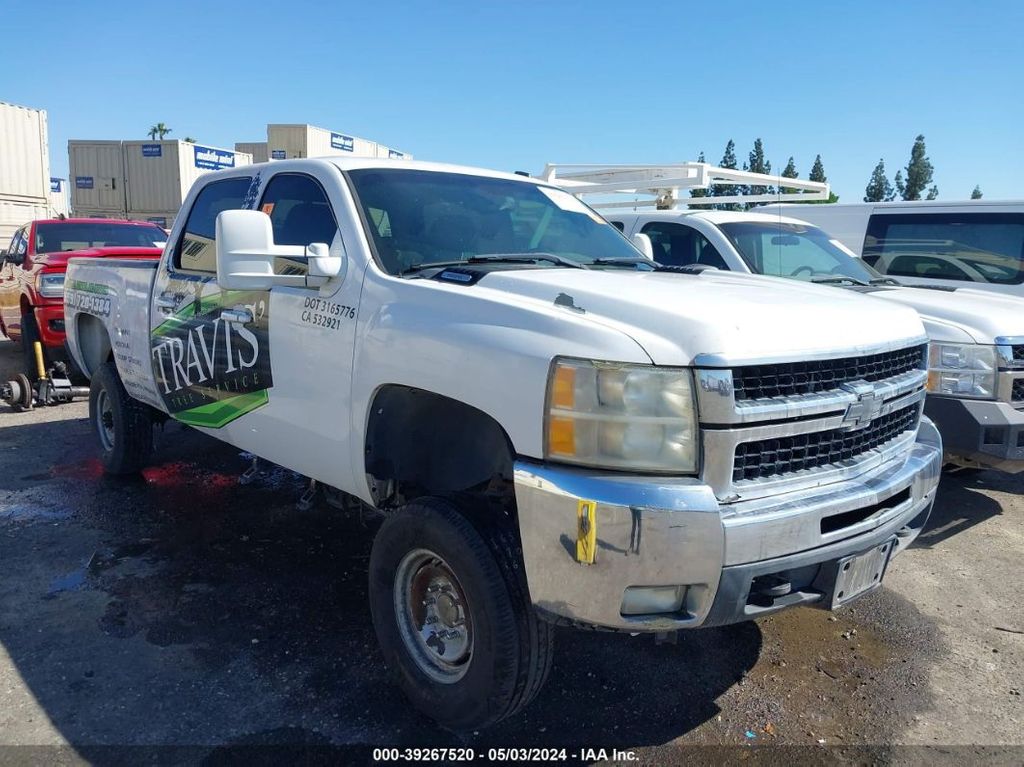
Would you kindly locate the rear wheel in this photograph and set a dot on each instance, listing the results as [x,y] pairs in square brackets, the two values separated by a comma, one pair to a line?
[453,616]
[123,425]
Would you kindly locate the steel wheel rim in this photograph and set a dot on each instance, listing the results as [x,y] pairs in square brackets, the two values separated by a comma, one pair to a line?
[434,619]
[105,420]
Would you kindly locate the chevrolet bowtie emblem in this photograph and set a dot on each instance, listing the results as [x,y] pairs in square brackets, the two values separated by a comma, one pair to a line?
[866,409]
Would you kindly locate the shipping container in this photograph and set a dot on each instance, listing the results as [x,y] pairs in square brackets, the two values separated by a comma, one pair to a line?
[160,173]
[89,213]
[286,142]
[24,154]
[258,149]
[59,204]
[97,177]
[15,213]
[141,179]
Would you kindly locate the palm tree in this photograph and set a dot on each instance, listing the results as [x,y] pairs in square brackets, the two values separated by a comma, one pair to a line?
[189,140]
[159,130]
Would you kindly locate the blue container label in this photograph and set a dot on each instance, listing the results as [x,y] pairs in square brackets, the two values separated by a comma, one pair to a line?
[83,182]
[213,159]
[345,143]
[152,150]
[278,154]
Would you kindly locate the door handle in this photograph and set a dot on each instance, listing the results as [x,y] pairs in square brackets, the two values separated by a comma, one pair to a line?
[165,301]
[241,316]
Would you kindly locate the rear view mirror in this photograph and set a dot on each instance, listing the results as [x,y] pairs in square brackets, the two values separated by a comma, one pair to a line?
[785,239]
[643,243]
[246,254]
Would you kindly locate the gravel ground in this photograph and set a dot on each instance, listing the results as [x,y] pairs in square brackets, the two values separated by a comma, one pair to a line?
[180,608]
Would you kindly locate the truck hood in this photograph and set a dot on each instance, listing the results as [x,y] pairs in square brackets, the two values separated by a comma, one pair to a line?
[961,315]
[739,317]
[60,260]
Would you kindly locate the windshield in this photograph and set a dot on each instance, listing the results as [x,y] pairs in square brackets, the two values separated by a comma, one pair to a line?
[799,251]
[419,217]
[57,237]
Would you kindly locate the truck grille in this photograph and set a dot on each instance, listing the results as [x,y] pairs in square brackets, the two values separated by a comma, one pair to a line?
[1017,394]
[811,377]
[783,455]
[1018,353]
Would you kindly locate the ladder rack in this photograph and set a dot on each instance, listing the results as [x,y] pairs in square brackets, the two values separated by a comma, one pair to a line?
[662,184]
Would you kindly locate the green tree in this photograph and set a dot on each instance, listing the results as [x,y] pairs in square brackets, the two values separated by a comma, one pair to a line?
[789,172]
[933,193]
[901,188]
[728,161]
[189,140]
[878,188]
[919,171]
[818,174]
[159,131]
[699,192]
[976,194]
[757,164]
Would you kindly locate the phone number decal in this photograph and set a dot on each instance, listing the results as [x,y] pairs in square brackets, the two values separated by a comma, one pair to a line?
[88,302]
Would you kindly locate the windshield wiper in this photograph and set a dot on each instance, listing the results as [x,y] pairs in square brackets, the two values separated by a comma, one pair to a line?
[885,281]
[625,261]
[839,281]
[497,258]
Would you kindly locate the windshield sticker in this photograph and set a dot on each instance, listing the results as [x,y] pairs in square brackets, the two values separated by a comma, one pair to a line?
[210,368]
[570,204]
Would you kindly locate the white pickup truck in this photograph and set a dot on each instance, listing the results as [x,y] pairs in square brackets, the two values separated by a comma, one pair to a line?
[555,430]
[976,386]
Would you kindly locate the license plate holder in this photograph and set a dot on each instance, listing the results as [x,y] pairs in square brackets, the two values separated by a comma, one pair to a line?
[860,573]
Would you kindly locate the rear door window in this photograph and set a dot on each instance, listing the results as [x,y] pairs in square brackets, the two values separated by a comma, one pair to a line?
[197,248]
[681,245]
[971,246]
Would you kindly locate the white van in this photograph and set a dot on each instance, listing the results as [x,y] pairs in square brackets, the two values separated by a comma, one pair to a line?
[977,243]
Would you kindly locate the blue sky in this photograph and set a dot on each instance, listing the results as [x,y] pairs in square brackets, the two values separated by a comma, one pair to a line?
[513,85]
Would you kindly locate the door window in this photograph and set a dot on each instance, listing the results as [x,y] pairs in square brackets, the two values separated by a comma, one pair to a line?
[197,248]
[299,214]
[970,245]
[681,245]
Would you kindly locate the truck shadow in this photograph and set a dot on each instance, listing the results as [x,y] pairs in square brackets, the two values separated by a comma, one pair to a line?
[180,607]
[959,506]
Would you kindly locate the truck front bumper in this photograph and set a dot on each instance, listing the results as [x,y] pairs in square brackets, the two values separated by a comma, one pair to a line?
[726,562]
[979,432]
[50,321]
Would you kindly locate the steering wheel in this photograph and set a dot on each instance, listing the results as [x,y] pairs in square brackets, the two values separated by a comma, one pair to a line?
[800,270]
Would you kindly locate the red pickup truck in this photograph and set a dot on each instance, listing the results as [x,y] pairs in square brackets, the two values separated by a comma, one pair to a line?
[32,274]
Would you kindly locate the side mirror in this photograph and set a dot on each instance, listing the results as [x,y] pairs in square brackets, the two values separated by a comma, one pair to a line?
[643,243]
[246,254]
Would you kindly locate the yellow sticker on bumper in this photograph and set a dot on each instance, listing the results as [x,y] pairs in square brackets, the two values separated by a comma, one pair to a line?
[586,531]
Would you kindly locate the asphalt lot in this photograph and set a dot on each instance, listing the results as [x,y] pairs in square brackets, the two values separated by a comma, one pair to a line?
[182,608]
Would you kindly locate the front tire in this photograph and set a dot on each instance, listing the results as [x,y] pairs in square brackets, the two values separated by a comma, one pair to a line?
[453,616]
[123,425]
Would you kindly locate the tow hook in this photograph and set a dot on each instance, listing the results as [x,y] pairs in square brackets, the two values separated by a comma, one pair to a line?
[52,388]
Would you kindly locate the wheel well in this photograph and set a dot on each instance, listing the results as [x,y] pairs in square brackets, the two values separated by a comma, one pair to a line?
[420,443]
[26,307]
[93,342]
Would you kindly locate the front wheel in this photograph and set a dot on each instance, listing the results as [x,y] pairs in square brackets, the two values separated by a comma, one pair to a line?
[124,426]
[453,616]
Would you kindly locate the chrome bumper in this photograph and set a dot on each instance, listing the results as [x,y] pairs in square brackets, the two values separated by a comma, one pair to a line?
[673,532]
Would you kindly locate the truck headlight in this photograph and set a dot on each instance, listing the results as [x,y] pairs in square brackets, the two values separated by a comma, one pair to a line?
[50,285]
[962,370]
[617,416]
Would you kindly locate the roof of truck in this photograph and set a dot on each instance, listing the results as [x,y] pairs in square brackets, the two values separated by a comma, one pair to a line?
[360,163]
